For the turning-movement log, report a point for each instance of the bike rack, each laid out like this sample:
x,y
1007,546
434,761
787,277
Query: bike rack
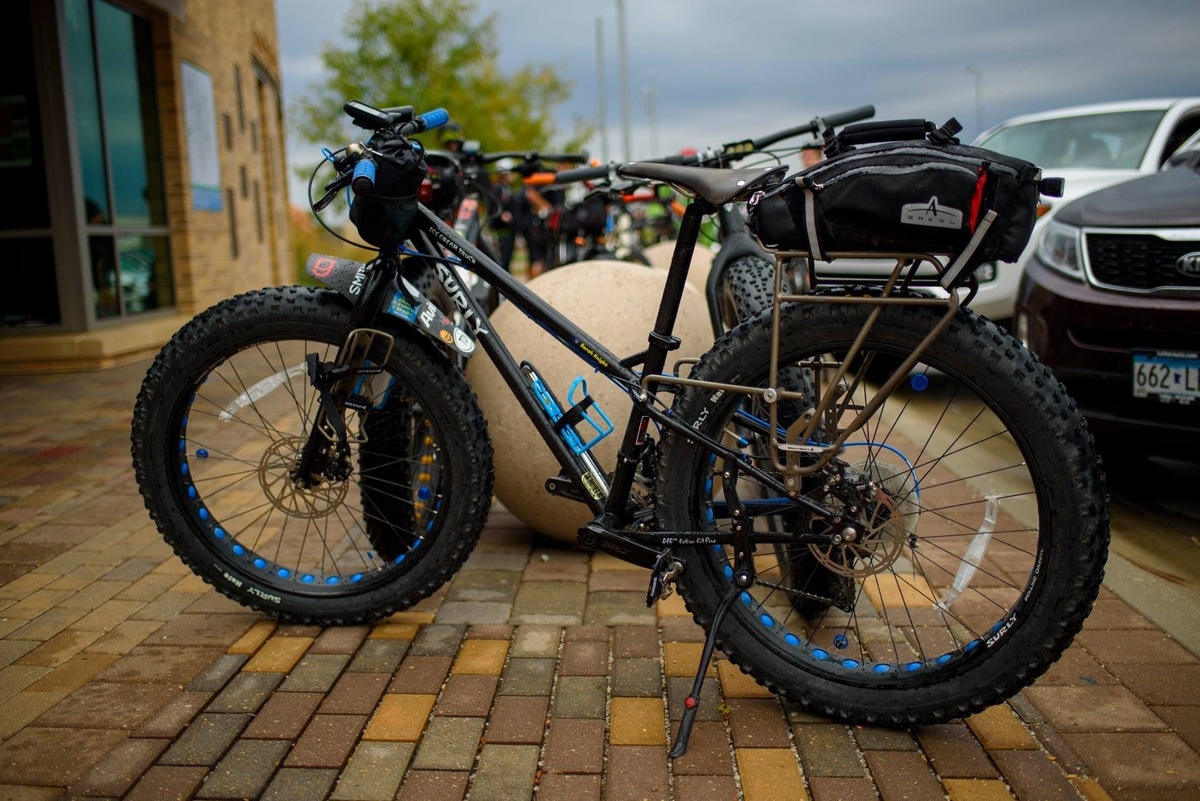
x,y
828,406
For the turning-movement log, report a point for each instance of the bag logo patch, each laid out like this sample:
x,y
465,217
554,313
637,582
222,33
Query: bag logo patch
x,y
931,214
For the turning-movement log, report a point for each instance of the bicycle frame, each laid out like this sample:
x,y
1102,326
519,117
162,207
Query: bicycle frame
x,y
612,508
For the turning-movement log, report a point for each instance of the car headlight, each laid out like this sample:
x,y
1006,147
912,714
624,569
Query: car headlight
x,y
1059,249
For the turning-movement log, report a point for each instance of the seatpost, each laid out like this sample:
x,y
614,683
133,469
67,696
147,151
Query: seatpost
x,y
662,342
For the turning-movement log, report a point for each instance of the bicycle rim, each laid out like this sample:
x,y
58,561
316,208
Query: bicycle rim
x,y
240,434
949,515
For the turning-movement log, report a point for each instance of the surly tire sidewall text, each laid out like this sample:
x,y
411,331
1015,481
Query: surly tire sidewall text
x,y
1071,502
453,423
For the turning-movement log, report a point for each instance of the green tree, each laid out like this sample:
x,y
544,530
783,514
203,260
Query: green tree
x,y
429,54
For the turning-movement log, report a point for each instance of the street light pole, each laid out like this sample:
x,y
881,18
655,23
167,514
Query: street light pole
x,y
978,98
624,56
602,79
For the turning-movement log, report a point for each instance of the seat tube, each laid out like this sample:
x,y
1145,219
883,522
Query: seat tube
x,y
661,343
668,309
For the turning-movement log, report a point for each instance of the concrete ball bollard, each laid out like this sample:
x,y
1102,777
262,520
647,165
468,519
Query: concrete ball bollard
x,y
614,302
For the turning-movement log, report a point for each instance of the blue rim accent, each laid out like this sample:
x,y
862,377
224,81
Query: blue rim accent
x,y
281,572
840,641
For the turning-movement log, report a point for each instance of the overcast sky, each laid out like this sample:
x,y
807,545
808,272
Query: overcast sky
x,y
733,69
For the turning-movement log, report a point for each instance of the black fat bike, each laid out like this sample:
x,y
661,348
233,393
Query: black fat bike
x,y
317,455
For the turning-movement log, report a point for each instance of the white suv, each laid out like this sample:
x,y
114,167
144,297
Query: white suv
x,y
1091,147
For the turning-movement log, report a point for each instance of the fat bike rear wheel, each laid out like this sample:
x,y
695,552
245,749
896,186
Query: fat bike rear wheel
x,y
972,504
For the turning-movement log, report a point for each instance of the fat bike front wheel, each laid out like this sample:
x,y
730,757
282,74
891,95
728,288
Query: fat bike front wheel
x,y
222,422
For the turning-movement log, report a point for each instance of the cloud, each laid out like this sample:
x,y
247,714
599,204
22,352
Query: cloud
x,y
724,70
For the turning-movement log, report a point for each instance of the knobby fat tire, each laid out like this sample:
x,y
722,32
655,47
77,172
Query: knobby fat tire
x,y
275,317
1063,468
748,287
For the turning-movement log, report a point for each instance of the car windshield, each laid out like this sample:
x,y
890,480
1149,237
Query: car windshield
x,y
1115,141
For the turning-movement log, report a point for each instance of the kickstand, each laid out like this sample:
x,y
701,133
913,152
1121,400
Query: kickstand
x,y
743,577
692,702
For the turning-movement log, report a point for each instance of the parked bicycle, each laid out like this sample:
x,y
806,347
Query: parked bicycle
x,y
742,279
458,188
317,455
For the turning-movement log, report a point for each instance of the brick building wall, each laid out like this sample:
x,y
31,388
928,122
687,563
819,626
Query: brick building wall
x,y
235,42
213,253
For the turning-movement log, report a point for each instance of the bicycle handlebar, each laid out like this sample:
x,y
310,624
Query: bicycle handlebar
x,y
816,125
683,161
354,164
433,119
851,115
732,151
399,118
533,155
583,174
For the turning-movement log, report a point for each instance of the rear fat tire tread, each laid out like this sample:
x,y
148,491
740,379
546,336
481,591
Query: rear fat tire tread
x,y
288,306
1036,384
749,288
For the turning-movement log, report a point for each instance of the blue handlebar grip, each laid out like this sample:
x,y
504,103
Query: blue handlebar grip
x,y
364,177
435,119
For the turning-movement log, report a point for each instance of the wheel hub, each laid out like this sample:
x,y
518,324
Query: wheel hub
x,y
293,498
879,517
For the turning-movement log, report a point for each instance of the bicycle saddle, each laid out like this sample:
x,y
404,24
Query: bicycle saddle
x,y
717,187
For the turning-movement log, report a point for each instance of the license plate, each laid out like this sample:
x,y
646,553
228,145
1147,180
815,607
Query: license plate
x,y
1166,375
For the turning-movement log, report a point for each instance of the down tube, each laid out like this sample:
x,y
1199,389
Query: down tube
x,y
570,335
538,310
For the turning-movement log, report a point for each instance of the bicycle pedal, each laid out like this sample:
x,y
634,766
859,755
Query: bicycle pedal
x,y
666,569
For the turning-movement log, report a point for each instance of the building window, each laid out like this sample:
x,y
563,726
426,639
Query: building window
x,y
241,103
258,212
30,296
233,234
112,87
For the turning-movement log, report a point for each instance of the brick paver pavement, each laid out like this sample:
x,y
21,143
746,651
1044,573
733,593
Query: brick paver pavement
x,y
537,671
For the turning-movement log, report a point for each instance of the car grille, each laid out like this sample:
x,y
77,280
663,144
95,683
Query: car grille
x,y
1109,395
1138,262
1126,339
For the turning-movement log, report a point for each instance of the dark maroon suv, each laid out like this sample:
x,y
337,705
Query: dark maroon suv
x,y
1111,301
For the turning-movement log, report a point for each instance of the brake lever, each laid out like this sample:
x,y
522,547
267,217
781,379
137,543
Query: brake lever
x,y
331,191
615,189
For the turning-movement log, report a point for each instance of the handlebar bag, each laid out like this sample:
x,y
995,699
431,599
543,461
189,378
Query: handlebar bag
x,y
904,197
383,217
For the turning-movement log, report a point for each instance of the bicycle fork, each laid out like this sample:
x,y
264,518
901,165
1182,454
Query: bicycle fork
x,y
346,383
